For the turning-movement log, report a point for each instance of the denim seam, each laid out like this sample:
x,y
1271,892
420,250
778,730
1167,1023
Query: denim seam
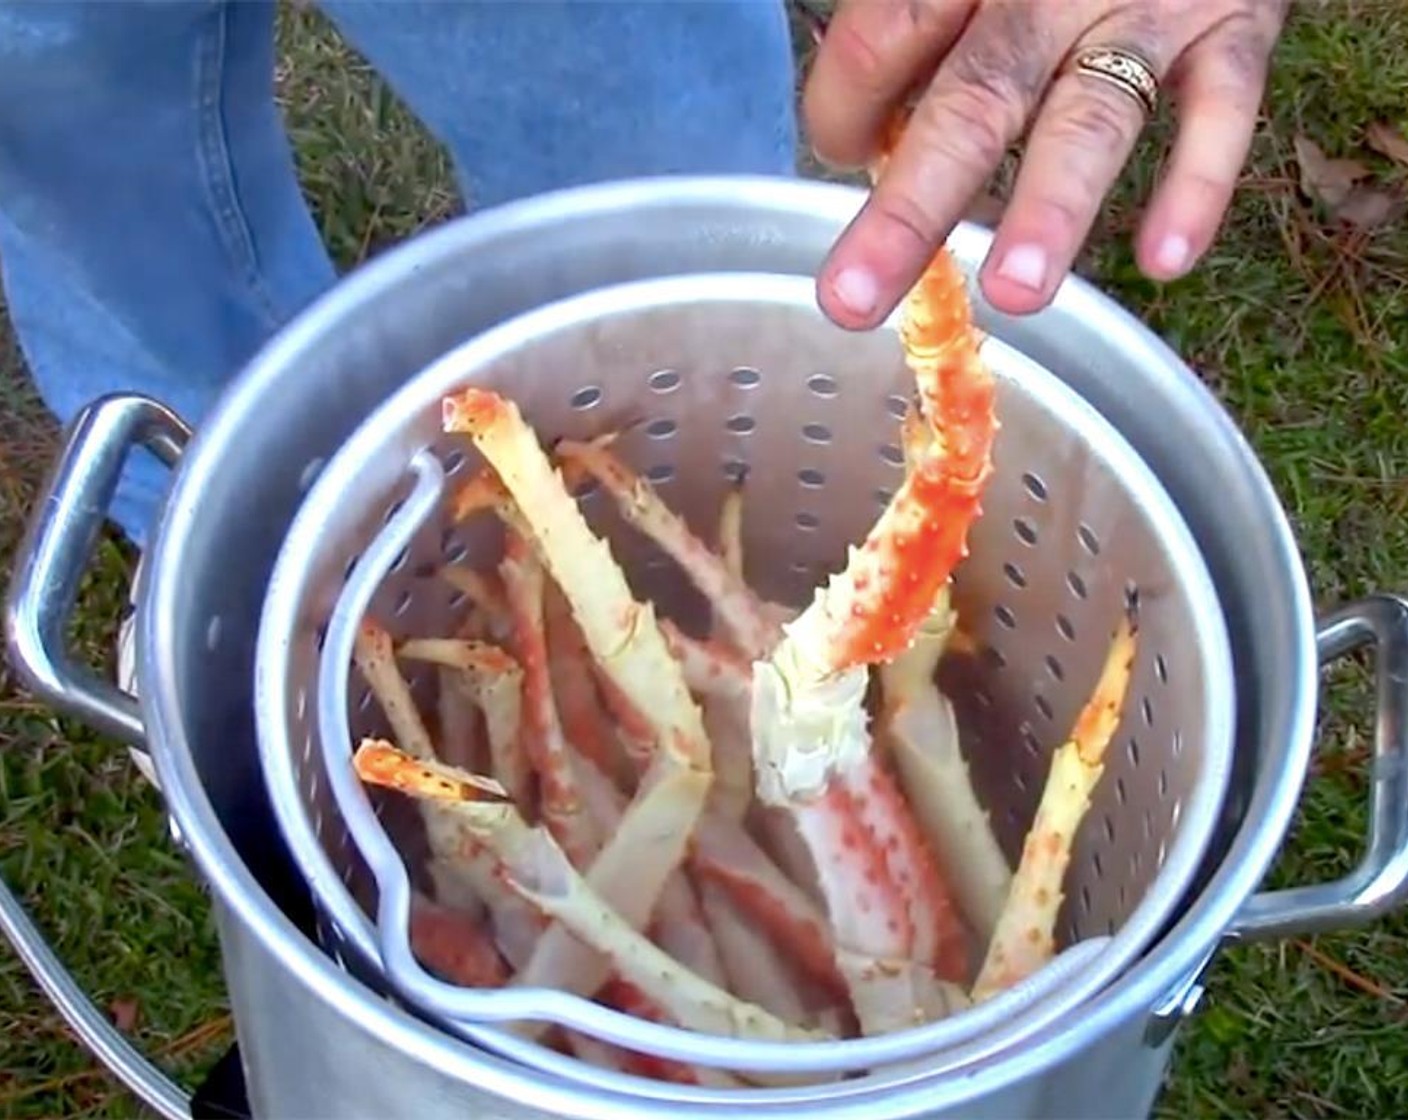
x,y
217,172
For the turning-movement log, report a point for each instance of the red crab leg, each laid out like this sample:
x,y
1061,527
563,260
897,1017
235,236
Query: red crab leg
x,y
455,946
585,721
562,809
812,749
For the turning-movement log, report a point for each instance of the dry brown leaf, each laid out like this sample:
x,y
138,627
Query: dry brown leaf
x,y
124,1014
1326,180
1388,141
1366,207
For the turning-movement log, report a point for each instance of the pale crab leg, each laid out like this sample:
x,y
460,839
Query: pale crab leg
x,y
462,737
916,725
710,667
518,923
1023,941
730,544
485,491
484,591
535,867
494,680
584,720
812,750
721,851
723,682
625,641
498,678
757,970
374,654
579,804
679,924
738,610
634,730
459,870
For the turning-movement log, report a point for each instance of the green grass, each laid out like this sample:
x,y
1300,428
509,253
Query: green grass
x,y
1302,331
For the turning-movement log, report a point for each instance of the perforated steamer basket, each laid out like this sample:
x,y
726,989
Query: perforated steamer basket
x,y
714,375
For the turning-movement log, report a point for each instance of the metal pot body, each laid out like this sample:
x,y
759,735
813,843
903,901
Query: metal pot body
x,y
304,1056
315,1040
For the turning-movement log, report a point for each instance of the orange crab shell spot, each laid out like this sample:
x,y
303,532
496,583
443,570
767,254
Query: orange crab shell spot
x,y
471,409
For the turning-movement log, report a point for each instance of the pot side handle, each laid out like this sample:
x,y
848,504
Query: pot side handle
x,y
58,541
1380,883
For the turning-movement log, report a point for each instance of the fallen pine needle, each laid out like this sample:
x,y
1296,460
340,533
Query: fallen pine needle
x,y
191,1040
1347,974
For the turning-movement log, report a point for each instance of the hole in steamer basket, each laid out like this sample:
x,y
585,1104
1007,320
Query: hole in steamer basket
x,y
788,976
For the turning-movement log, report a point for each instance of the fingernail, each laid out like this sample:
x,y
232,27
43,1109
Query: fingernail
x,y
1025,265
1173,252
857,290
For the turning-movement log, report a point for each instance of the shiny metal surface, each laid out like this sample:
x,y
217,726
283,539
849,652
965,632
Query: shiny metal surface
x,y
318,1043
1379,884
741,372
60,538
86,1019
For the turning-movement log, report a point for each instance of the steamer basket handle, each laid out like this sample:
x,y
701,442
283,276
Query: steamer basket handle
x,y
1380,883
58,542
49,566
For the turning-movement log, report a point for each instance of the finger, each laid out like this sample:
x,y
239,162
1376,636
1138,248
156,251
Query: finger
x,y
1219,86
1083,134
873,52
977,104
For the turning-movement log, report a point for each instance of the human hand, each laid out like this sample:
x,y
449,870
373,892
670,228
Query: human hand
x,y
994,67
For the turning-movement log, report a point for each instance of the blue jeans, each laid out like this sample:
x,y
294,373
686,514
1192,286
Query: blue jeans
x,y
152,230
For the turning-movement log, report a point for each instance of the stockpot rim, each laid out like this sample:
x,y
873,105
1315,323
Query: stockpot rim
x,y
1177,956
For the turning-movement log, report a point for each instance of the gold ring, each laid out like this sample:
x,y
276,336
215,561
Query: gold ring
x,y
1124,70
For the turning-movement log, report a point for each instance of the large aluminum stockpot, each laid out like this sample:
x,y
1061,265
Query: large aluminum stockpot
x,y
316,1041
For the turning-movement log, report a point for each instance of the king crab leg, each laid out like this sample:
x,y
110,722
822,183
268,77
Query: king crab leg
x,y
928,924
917,728
1023,940
575,829
737,608
720,850
573,672
535,867
625,640
464,869
812,750
494,680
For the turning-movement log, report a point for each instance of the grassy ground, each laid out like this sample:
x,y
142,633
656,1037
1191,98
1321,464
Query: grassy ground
x,y
1299,323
